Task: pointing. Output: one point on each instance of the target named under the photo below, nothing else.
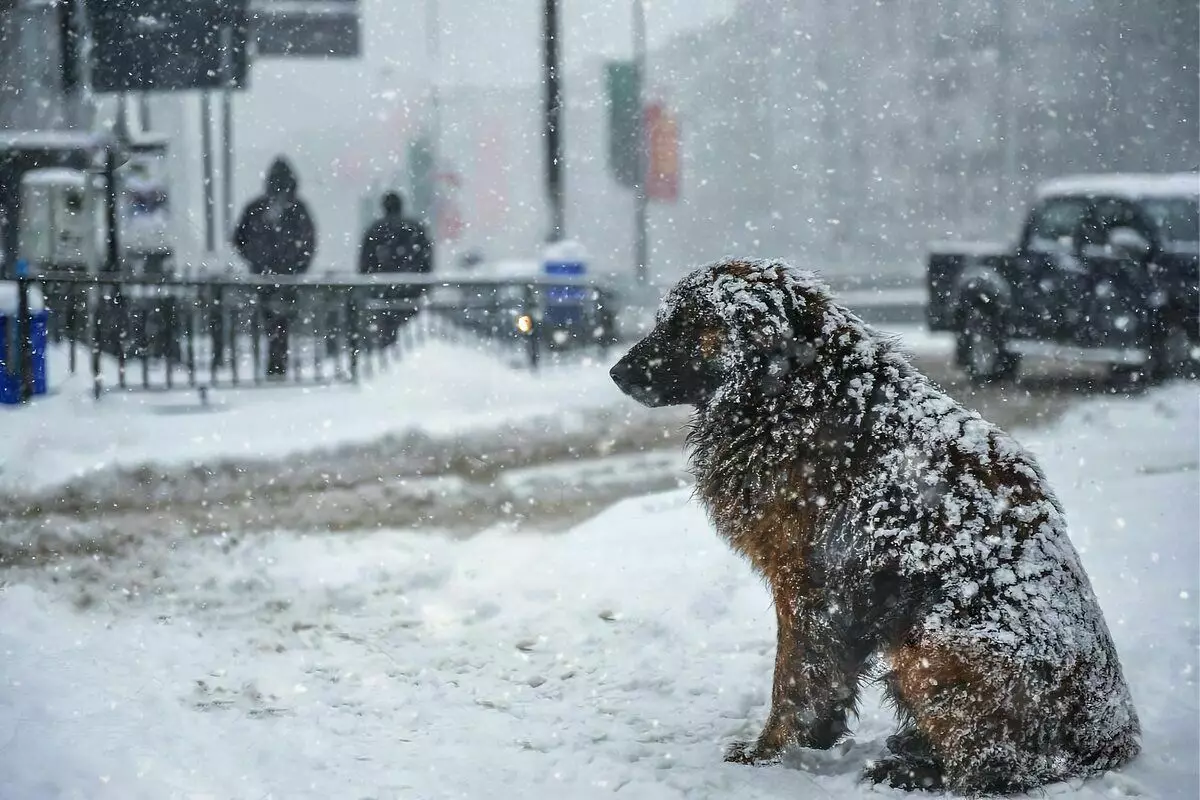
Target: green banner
(624, 120)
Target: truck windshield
(1178, 218)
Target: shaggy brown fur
(895, 529)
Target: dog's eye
(710, 343)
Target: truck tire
(1170, 350)
(982, 353)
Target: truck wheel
(1170, 351)
(981, 350)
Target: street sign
(167, 45)
(306, 28)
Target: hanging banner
(662, 139)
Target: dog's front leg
(814, 688)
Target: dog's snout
(633, 378)
(618, 372)
(621, 373)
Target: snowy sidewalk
(615, 659)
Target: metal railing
(153, 333)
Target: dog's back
(1003, 659)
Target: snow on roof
(1131, 185)
(55, 175)
(48, 140)
(510, 268)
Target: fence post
(352, 333)
(535, 330)
(93, 315)
(72, 290)
(120, 313)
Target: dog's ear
(784, 356)
(788, 342)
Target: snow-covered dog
(895, 529)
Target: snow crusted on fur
(911, 483)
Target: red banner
(662, 172)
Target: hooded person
(395, 244)
(276, 236)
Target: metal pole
(227, 132)
(112, 255)
(1006, 111)
(112, 264)
(640, 202)
(144, 111)
(553, 121)
(432, 42)
(206, 167)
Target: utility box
(144, 208)
(62, 222)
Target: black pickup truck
(1107, 269)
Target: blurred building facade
(843, 131)
(31, 80)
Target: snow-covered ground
(615, 659)
(436, 389)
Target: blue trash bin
(10, 381)
(566, 306)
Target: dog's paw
(751, 753)
(904, 773)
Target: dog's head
(731, 324)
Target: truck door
(1115, 287)
(1047, 269)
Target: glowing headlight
(525, 323)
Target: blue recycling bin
(10, 380)
(566, 306)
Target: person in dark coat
(276, 236)
(396, 244)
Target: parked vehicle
(572, 315)
(1107, 269)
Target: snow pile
(436, 389)
(615, 659)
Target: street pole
(112, 241)
(227, 131)
(640, 241)
(206, 168)
(144, 112)
(553, 121)
(1006, 111)
(433, 43)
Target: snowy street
(453, 648)
(449, 439)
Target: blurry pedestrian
(396, 244)
(276, 236)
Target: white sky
(499, 41)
